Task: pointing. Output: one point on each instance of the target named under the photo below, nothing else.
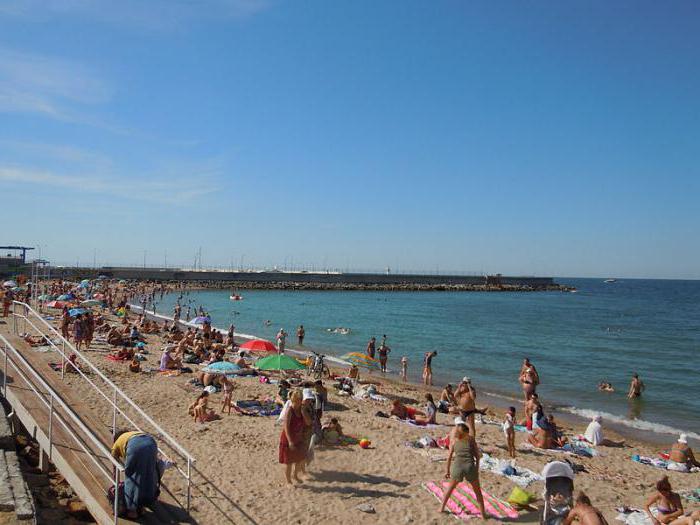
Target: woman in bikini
(669, 506)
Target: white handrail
(6, 348)
(171, 441)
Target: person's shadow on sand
(353, 477)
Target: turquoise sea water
(604, 331)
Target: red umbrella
(259, 345)
(55, 304)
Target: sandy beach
(239, 479)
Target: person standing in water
(529, 378)
(636, 387)
(383, 352)
(300, 334)
(370, 351)
(427, 367)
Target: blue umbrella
(84, 285)
(76, 311)
(222, 368)
(201, 320)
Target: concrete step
(7, 439)
(14, 492)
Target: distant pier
(318, 280)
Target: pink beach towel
(463, 503)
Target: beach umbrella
(55, 304)
(201, 320)
(45, 297)
(259, 345)
(9, 284)
(359, 359)
(99, 296)
(65, 297)
(278, 362)
(18, 289)
(221, 368)
(76, 311)
(91, 302)
(84, 285)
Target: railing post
(114, 414)
(116, 496)
(189, 484)
(50, 425)
(4, 374)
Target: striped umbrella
(359, 359)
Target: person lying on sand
(669, 506)
(584, 512)
(35, 340)
(681, 457)
(332, 432)
(402, 411)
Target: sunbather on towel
(681, 457)
(669, 506)
(402, 411)
(585, 513)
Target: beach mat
(633, 516)
(691, 495)
(523, 476)
(257, 408)
(462, 504)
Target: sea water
(605, 331)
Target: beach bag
(520, 498)
(121, 504)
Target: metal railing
(27, 372)
(44, 329)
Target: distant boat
(235, 297)
(610, 281)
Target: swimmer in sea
(636, 387)
(604, 386)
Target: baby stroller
(558, 492)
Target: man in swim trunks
(682, 455)
(636, 387)
(383, 352)
(584, 512)
(427, 367)
(466, 404)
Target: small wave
(639, 424)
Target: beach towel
(258, 408)
(462, 503)
(522, 477)
(653, 462)
(632, 516)
(168, 373)
(433, 454)
(412, 423)
(691, 495)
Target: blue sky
(546, 138)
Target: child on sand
(198, 409)
(509, 431)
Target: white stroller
(558, 492)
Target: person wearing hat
(681, 457)
(463, 464)
(466, 404)
(594, 434)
